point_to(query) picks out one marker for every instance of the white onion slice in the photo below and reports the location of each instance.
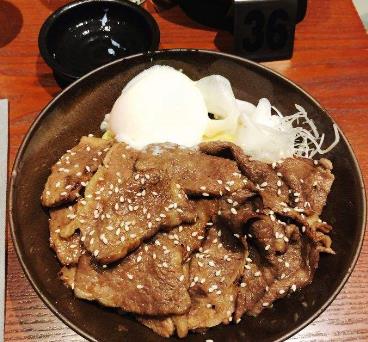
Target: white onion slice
(220, 101)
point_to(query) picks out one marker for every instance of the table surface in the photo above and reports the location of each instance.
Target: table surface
(330, 61)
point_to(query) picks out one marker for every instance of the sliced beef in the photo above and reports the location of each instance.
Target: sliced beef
(302, 184)
(150, 281)
(187, 238)
(270, 235)
(197, 173)
(73, 170)
(296, 188)
(163, 326)
(310, 183)
(251, 290)
(236, 218)
(67, 276)
(213, 274)
(271, 279)
(122, 208)
(191, 236)
(67, 250)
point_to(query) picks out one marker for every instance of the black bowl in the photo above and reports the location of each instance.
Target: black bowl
(79, 109)
(84, 35)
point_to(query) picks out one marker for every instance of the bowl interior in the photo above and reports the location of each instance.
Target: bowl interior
(79, 111)
(87, 35)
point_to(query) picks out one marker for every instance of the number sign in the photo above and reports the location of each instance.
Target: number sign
(264, 29)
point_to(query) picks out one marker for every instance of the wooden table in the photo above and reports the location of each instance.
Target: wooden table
(330, 61)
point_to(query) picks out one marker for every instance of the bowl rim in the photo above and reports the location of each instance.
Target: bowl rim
(44, 112)
(53, 18)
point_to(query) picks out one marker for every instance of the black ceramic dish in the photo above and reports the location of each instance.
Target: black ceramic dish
(84, 35)
(79, 109)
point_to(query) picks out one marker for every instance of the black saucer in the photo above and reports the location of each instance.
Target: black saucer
(84, 35)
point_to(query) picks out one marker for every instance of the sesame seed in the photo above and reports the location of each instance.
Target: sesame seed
(209, 306)
(233, 211)
(282, 276)
(205, 194)
(219, 181)
(229, 200)
(264, 184)
(243, 284)
(287, 264)
(281, 291)
(139, 286)
(104, 239)
(267, 247)
(96, 252)
(257, 274)
(265, 304)
(286, 239)
(293, 287)
(132, 236)
(202, 188)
